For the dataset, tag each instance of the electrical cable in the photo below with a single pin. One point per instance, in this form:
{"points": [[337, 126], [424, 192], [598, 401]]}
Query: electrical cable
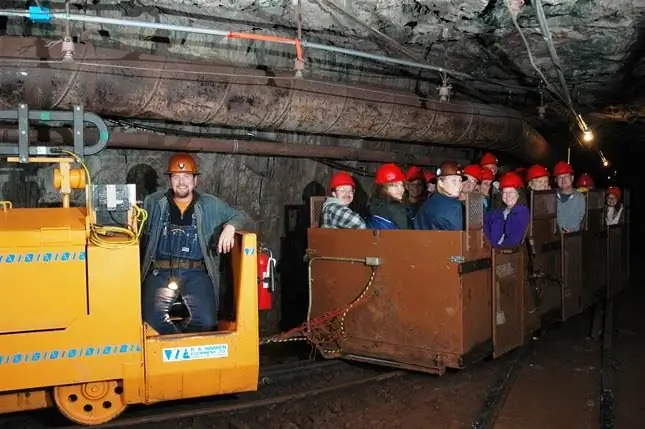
{"points": [[552, 89], [546, 33], [98, 232], [402, 48]]}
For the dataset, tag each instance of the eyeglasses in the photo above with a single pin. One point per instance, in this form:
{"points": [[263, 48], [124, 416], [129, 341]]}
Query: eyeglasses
{"points": [[344, 191]]}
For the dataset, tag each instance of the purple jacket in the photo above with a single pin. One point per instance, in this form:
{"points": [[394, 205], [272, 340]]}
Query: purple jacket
{"points": [[507, 232]]}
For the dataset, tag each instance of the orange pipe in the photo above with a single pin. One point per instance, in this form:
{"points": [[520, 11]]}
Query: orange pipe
{"points": [[299, 53], [265, 38]]}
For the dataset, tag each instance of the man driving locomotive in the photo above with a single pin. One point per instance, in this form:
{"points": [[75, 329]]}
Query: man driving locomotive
{"points": [[178, 255]]}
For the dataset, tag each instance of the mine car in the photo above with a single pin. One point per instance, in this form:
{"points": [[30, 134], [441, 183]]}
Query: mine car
{"points": [[429, 300]]}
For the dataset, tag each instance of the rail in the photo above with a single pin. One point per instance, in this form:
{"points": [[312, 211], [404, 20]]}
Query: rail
{"points": [[496, 397], [176, 411], [607, 398]]}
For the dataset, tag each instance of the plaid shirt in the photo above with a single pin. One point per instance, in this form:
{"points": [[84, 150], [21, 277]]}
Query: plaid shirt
{"points": [[337, 215]]}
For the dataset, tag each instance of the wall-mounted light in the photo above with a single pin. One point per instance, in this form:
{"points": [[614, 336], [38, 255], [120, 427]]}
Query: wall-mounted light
{"points": [[587, 134]]}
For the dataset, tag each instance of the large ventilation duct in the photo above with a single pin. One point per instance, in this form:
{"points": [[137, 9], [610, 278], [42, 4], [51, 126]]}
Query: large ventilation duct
{"points": [[112, 82]]}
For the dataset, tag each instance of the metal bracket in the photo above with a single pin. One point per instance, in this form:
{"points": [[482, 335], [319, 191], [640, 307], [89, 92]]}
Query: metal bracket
{"points": [[23, 115], [467, 267]]}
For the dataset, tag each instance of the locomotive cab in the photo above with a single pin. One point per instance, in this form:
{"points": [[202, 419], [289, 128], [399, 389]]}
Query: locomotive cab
{"points": [[75, 336]]}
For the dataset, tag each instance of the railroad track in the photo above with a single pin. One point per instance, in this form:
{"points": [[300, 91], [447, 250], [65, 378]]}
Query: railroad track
{"points": [[271, 375], [496, 396], [607, 399]]}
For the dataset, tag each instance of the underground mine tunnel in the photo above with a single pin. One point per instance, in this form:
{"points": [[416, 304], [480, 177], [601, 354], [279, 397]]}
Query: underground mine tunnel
{"points": [[272, 99]]}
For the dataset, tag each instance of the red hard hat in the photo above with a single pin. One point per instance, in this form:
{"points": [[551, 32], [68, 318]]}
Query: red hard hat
{"points": [[429, 176], [585, 181], [511, 180], [389, 173], [474, 170], [487, 174], [488, 158], [562, 168], [536, 171], [182, 163], [414, 173], [615, 191], [341, 178]]}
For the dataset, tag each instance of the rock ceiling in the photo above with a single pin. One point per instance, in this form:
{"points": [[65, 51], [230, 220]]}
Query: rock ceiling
{"points": [[599, 43]]}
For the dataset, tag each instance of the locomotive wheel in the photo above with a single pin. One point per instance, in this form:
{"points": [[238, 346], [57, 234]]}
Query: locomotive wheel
{"points": [[90, 403]]}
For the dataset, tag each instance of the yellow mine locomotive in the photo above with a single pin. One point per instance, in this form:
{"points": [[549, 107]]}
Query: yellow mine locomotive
{"points": [[73, 336]]}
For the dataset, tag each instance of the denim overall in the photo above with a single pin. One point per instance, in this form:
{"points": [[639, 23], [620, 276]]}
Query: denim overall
{"points": [[179, 243]]}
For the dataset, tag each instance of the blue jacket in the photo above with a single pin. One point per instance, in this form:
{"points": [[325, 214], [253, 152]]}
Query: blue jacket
{"points": [[507, 232], [211, 214], [440, 212], [393, 211], [378, 222]]}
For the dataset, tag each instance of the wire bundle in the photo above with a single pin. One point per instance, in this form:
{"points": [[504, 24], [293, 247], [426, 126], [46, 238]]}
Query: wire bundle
{"points": [[104, 235]]}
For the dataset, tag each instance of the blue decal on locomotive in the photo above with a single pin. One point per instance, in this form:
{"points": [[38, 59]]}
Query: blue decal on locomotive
{"points": [[26, 258], [73, 353]]}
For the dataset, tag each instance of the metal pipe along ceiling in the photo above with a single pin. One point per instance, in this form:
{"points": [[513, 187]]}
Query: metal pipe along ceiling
{"points": [[113, 82], [127, 140]]}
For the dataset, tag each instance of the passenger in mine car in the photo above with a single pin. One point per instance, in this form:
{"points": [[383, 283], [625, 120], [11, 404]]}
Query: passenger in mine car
{"points": [[506, 228], [490, 162], [415, 194], [584, 183], [431, 182], [443, 211], [613, 206], [335, 210], [538, 178], [487, 178], [473, 173], [386, 207], [571, 204], [177, 255]]}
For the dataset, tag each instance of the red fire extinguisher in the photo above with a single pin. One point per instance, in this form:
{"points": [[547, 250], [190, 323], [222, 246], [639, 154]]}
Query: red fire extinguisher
{"points": [[266, 278]]}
